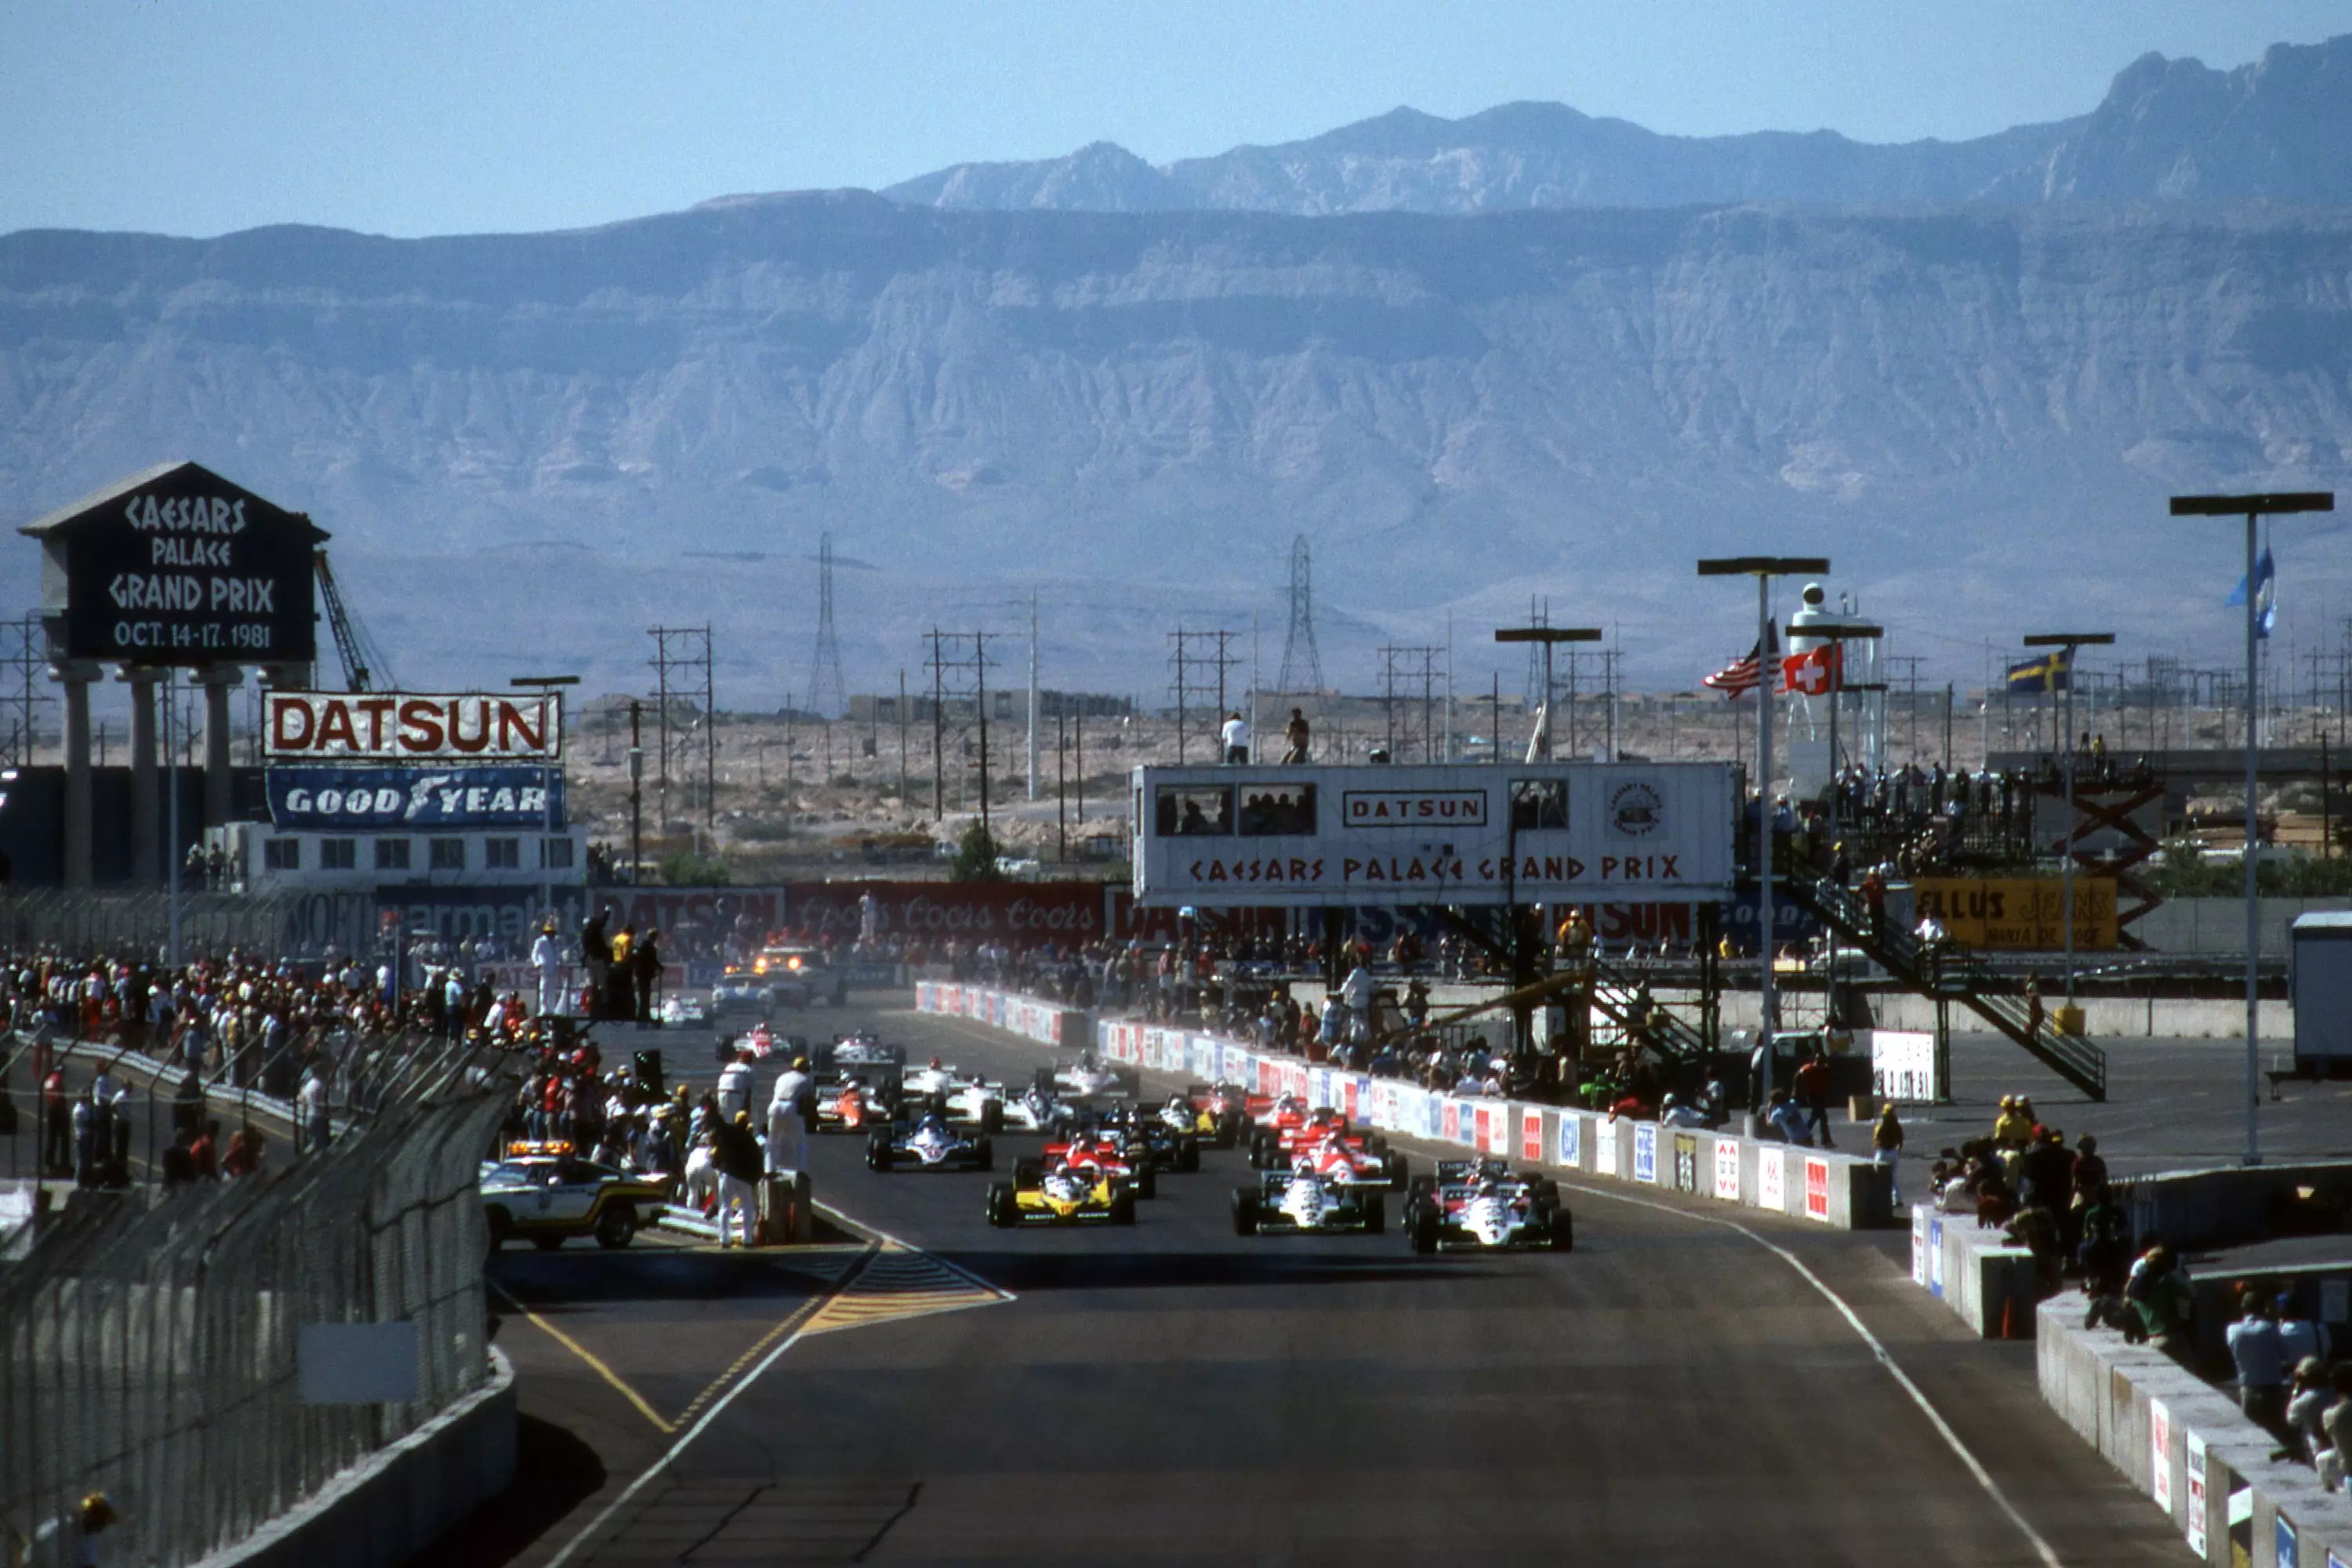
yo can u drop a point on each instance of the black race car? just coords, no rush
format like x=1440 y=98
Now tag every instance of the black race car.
x=927 y=1143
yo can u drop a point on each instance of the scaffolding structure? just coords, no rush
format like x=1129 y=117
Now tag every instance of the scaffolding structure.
x=682 y=672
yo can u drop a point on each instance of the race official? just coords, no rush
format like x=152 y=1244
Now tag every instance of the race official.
x=787 y=1130
x=547 y=961
x=736 y=1151
x=735 y=1088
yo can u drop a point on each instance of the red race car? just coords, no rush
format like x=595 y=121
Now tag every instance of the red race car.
x=1104 y=1155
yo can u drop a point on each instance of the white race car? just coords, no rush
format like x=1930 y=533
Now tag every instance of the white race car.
x=684 y=1009
x=1304 y=1201
x=1090 y=1076
x=965 y=1099
x=1482 y=1205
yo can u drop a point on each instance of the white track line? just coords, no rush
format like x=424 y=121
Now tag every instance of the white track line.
x=2041 y=1548
x=718 y=1406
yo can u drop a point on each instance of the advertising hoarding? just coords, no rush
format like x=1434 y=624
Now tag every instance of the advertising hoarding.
x=410 y=727
x=360 y=799
x=1246 y=837
x=2020 y=914
x=178 y=566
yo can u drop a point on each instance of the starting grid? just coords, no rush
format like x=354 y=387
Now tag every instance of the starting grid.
x=1842 y=1191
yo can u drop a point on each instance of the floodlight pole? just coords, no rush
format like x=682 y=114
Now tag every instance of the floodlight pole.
x=1546 y=635
x=2253 y=508
x=1763 y=568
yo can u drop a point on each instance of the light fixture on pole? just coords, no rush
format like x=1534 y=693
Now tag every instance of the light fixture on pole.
x=1841 y=633
x=1548 y=635
x=2071 y=642
x=1764 y=568
x=2253 y=508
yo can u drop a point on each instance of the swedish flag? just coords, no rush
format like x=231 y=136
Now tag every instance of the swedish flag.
x=2053 y=671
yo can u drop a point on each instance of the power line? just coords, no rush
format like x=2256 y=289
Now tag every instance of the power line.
x=955 y=677
x=25 y=657
x=825 y=686
x=1300 y=661
x=1185 y=663
x=680 y=653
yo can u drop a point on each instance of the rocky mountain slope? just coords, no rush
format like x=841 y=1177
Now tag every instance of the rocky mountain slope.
x=2278 y=128
x=530 y=447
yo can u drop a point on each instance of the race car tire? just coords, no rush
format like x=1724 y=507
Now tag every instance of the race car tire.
x=616 y=1228
x=1122 y=1207
x=1003 y=1209
x=1545 y=1190
x=1147 y=1182
x=501 y=1224
x=983 y=1154
x=1420 y=1186
x=1399 y=1172
x=1563 y=1231
x=878 y=1152
x=992 y=1116
x=1420 y=1228
x=1245 y=1212
x=549 y=1241
x=1257 y=1152
x=1376 y=1213
x=1228 y=1130
x=1188 y=1154
x=1027 y=1174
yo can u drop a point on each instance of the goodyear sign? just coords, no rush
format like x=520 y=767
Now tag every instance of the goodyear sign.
x=394 y=799
x=2020 y=914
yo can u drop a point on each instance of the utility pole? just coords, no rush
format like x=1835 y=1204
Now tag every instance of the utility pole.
x=1186 y=665
x=824 y=688
x=637 y=790
x=902 y=738
x=1033 y=696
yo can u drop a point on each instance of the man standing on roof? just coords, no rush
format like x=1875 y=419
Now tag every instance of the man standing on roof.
x=547 y=961
x=1236 y=738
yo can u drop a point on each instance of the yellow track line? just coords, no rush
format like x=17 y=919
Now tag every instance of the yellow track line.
x=598 y=1367
x=798 y=1316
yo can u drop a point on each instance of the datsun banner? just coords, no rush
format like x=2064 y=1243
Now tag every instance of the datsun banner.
x=397 y=799
x=401 y=727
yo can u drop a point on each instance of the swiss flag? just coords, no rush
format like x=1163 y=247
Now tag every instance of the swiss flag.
x=1813 y=673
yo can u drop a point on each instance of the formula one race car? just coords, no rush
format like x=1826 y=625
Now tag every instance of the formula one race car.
x=763 y=1042
x=1296 y=1132
x=849 y=1102
x=1090 y=1077
x=859 y=1049
x=927 y=1145
x=547 y=1192
x=967 y=1100
x=1216 y=1112
x=1301 y=1200
x=1060 y=1194
x=1352 y=1160
x=1480 y=1205
x=1146 y=1142
x=1095 y=1152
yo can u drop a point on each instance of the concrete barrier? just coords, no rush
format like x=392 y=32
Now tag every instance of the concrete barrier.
x=1837 y=1189
x=1989 y=1285
x=393 y=1504
x=2185 y=1444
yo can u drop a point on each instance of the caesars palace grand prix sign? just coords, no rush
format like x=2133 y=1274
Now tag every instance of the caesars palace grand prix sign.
x=409 y=727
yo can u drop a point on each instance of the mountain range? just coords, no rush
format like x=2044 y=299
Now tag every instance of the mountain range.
x=1969 y=385
x=2279 y=129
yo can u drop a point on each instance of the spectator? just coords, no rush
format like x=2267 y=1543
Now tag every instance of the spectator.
x=2159 y=1292
x=2338 y=1424
x=2300 y=1338
x=2309 y=1399
x=1886 y=1148
x=1236 y=737
x=1296 y=737
x=1812 y=1087
x=2262 y=1371
x=2014 y=1127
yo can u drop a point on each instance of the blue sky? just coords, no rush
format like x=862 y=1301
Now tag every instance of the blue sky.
x=425 y=116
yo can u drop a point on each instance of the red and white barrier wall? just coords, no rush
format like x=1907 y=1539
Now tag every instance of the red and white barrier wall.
x=1846 y=1192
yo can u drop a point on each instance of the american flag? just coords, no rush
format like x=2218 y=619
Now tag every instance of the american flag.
x=1743 y=674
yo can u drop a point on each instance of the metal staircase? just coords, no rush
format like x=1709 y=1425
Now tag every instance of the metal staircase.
x=1952 y=974
x=1615 y=992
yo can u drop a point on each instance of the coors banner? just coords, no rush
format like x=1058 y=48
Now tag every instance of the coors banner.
x=403 y=727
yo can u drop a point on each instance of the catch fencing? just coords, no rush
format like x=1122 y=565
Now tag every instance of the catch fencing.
x=163 y=1345
x=128 y=922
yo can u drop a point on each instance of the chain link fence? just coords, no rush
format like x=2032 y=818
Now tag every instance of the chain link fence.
x=123 y=921
x=149 y=1342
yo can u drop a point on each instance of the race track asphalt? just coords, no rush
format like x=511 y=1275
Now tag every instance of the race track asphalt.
x=1673 y=1392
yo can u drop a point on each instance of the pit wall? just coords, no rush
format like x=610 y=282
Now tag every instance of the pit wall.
x=2185 y=1444
x=1839 y=1190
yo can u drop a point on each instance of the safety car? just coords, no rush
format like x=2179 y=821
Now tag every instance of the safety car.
x=741 y=992
x=927 y=1145
x=1305 y=1201
x=546 y=1192
x=1060 y=1194
x=800 y=976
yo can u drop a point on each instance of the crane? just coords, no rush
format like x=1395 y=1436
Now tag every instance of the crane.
x=363 y=661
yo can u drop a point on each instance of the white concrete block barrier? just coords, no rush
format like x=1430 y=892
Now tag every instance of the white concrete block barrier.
x=2185 y=1444
x=1046 y=1023
x=1841 y=1191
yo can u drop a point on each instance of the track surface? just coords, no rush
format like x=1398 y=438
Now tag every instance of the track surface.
x=1672 y=1392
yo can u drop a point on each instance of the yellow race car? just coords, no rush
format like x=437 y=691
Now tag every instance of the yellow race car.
x=1060 y=1194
